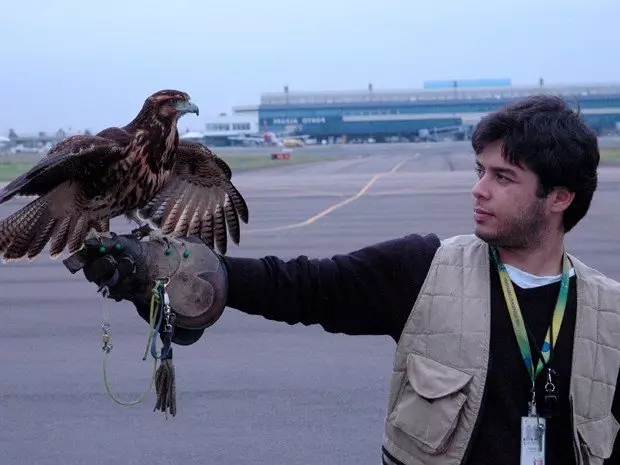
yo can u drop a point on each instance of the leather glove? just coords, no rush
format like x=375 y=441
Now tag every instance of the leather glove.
x=128 y=267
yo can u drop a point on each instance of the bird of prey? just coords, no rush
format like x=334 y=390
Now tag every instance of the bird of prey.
x=84 y=181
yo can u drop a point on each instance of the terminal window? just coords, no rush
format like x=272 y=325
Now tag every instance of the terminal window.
x=218 y=127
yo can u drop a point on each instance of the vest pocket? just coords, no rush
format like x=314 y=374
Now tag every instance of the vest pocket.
x=429 y=402
x=597 y=438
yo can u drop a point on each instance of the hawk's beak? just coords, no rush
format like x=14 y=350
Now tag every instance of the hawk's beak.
x=187 y=106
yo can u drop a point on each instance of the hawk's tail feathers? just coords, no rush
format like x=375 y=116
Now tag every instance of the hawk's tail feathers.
x=26 y=232
x=18 y=230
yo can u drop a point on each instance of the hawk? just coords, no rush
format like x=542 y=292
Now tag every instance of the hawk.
x=85 y=181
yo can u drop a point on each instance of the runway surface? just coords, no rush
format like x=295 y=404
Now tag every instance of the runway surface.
x=251 y=391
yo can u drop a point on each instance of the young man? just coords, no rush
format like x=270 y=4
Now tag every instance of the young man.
x=508 y=350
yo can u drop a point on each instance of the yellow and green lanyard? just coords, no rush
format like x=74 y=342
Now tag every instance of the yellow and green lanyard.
x=517 y=318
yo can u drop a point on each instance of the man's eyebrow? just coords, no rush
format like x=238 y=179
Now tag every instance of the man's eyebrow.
x=498 y=169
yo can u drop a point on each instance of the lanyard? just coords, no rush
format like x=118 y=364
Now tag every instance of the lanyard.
x=517 y=318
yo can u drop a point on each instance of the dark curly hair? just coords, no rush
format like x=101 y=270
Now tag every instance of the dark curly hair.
x=543 y=134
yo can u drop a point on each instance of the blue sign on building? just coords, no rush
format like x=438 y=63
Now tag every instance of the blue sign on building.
x=295 y=121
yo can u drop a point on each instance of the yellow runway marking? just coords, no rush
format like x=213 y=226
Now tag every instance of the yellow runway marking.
x=329 y=210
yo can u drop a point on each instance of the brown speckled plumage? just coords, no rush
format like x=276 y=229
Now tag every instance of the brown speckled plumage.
x=198 y=199
x=84 y=181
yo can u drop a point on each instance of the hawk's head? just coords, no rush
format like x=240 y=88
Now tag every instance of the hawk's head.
x=163 y=109
x=171 y=104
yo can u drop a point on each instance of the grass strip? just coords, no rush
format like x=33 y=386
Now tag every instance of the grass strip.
x=9 y=170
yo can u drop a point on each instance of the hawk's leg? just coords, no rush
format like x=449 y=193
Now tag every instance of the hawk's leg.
x=143 y=229
x=94 y=234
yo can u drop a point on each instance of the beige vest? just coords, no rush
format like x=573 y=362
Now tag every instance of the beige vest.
x=440 y=364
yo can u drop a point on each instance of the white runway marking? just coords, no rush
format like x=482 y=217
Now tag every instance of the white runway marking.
x=331 y=209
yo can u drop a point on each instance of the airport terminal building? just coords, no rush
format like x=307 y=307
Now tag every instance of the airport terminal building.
x=441 y=109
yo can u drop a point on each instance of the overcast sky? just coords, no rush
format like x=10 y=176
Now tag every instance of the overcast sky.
x=90 y=64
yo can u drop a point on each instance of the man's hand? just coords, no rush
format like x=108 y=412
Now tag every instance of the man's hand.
x=194 y=274
x=117 y=263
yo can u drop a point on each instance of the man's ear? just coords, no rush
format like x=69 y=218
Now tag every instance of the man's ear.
x=560 y=199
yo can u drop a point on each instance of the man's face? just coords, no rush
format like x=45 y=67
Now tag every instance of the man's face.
x=507 y=212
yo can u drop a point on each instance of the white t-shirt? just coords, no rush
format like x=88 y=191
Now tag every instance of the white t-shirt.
x=526 y=280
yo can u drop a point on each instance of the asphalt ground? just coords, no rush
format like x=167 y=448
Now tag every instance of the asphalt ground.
x=252 y=390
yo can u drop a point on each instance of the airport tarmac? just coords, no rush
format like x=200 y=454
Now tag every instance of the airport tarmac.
x=252 y=390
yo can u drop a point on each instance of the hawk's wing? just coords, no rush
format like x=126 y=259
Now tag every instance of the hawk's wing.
x=76 y=156
x=199 y=199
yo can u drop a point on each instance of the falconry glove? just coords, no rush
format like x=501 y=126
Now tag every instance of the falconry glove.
x=128 y=268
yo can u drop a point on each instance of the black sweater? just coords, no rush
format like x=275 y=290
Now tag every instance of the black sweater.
x=372 y=291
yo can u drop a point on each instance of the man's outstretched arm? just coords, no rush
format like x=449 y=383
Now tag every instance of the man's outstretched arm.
x=369 y=291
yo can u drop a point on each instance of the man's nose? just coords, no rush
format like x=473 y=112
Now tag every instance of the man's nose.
x=480 y=190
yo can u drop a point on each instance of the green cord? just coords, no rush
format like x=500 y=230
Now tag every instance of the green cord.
x=152 y=318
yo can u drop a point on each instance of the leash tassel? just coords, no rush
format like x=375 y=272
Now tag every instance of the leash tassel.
x=165 y=386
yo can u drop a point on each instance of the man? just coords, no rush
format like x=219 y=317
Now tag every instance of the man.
x=508 y=350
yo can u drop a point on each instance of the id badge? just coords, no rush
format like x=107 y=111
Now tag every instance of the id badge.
x=533 y=431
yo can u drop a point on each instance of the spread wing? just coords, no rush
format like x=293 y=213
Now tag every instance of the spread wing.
x=72 y=158
x=199 y=199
